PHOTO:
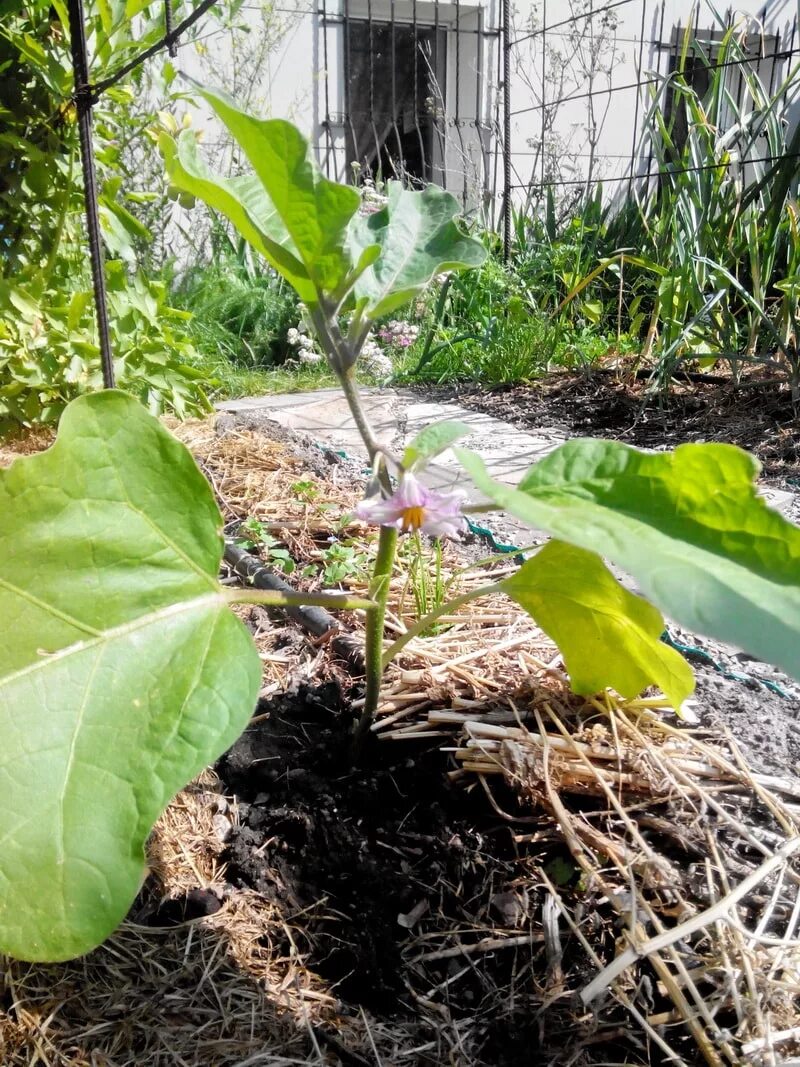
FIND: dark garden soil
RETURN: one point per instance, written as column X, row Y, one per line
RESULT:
column 409, row 892
column 370, row 857
column 382, row 866
column 757, row 416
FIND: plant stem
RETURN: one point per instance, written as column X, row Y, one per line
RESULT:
column 275, row 599
column 350, row 389
column 341, row 356
column 437, row 318
column 421, row 625
column 342, row 353
column 379, row 593
column 479, row 509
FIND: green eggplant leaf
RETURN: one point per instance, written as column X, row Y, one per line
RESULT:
column 607, row 635
column 434, row 440
column 242, row 201
column 418, row 238
column 123, row 672
column 314, row 211
column 688, row 525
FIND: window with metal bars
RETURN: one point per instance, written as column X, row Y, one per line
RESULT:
column 395, row 83
column 408, row 92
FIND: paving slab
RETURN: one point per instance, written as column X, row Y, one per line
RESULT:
column 397, row 415
column 783, row 501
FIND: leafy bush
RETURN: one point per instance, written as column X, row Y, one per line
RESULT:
column 48, row 341
column 239, row 311
column 49, row 353
column 490, row 325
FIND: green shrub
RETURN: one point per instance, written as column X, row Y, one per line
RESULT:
column 239, row 313
column 48, row 340
column 49, row 352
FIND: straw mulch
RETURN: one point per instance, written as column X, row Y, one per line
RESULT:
column 676, row 932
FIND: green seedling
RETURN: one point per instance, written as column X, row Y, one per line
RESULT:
column 269, row 547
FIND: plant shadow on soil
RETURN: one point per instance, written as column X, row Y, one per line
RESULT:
column 354, row 849
column 348, row 853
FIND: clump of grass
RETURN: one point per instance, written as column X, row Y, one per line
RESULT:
column 513, row 351
column 239, row 313
column 227, row 381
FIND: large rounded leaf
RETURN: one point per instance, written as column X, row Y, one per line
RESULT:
column 688, row 525
column 122, row 670
column 418, row 237
column 607, row 636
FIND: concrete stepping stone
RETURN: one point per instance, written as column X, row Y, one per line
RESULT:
column 397, row 415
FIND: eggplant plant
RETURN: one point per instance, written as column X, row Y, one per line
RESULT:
column 124, row 671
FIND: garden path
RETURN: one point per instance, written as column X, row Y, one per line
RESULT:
column 398, row 414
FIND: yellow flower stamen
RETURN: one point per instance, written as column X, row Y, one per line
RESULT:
column 412, row 518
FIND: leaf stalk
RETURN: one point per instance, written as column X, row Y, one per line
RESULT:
column 274, row 599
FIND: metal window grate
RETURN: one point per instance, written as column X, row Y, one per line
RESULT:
column 416, row 101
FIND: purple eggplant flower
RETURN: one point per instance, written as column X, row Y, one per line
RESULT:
column 413, row 506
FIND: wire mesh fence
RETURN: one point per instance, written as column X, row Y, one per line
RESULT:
column 502, row 104
column 507, row 106
column 600, row 96
column 689, row 49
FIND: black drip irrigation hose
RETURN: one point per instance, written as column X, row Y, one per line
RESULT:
column 734, row 676
column 317, row 622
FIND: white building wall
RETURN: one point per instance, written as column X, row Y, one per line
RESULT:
column 638, row 48
column 302, row 79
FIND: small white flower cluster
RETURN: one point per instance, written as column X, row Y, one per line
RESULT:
column 303, row 346
column 399, row 333
column 372, row 199
column 374, row 360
